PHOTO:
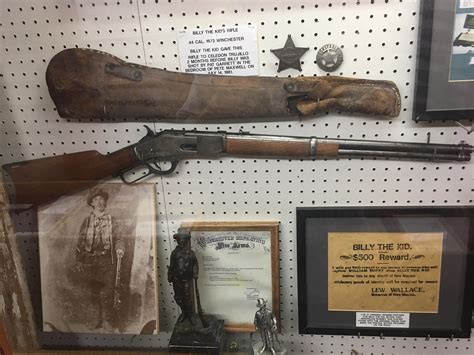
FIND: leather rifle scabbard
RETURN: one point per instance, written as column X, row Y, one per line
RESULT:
column 86, row 83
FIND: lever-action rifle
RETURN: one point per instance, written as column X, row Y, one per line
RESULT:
column 42, row 180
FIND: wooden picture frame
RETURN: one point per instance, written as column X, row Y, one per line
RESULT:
column 439, row 93
column 229, row 233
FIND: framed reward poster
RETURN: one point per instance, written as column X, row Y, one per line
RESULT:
column 238, row 264
column 390, row 271
column 445, row 70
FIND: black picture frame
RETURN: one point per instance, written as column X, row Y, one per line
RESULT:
column 327, row 325
column 424, row 68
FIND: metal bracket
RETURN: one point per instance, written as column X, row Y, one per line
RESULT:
column 467, row 129
column 124, row 72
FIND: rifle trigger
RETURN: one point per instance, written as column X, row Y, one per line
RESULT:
column 156, row 169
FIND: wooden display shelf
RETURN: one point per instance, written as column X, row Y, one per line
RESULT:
column 90, row 352
column 111, row 352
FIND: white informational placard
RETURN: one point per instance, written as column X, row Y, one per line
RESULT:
column 382, row 320
column 465, row 4
column 219, row 51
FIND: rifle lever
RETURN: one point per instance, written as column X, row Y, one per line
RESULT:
column 153, row 169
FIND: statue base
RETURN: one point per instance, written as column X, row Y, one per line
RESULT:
column 195, row 338
column 278, row 349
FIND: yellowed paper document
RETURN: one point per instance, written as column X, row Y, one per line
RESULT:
column 235, row 270
column 398, row 272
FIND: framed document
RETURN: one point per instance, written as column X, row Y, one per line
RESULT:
column 238, row 263
column 445, row 69
column 390, row 271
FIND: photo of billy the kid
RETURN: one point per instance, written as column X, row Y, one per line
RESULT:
column 99, row 252
column 97, row 261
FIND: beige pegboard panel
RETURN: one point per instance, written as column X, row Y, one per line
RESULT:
column 32, row 32
column 379, row 41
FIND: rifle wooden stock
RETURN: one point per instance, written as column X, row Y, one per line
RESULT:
column 91, row 84
column 42, row 180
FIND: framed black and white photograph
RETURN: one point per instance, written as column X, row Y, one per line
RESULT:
column 445, row 68
column 239, row 263
column 391, row 271
column 97, row 259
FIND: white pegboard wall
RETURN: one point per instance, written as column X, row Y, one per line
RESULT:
column 379, row 41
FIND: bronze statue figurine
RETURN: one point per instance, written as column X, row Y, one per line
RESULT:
column 194, row 331
column 183, row 270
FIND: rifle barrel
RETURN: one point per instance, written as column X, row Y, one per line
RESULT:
column 348, row 153
column 399, row 146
